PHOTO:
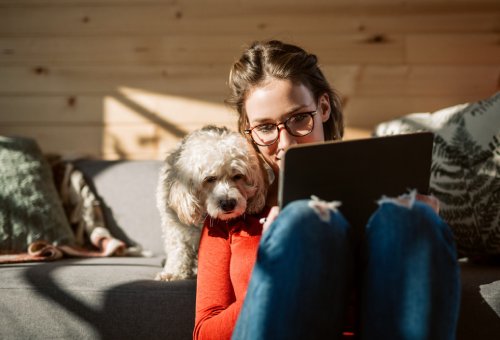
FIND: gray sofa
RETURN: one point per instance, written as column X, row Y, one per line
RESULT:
column 108, row 298
column 116, row 298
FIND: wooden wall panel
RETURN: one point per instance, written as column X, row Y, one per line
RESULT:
column 452, row 49
column 68, row 140
column 191, row 49
column 423, row 80
column 50, row 110
column 197, row 80
column 365, row 112
column 177, row 20
column 128, row 78
column 118, row 108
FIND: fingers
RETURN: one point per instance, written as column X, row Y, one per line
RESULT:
column 432, row 201
column 273, row 213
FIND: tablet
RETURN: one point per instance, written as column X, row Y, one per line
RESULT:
column 357, row 172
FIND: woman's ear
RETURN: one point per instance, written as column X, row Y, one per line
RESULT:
column 324, row 105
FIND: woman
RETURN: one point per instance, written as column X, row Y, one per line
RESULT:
column 297, row 279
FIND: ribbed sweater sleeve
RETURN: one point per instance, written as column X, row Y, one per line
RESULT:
column 226, row 257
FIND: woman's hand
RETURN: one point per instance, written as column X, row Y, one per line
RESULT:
column 273, row 213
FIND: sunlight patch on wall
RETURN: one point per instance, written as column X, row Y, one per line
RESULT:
column 141, row 124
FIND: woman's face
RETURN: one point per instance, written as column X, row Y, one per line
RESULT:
column 274, row 102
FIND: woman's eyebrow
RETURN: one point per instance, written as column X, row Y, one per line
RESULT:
column 288, row 113
column 295, row 109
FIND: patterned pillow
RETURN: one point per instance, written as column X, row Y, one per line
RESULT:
column 30, row 208
column 465, row 173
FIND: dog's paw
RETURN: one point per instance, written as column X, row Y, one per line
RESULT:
column 166, row 276
column 162, row 276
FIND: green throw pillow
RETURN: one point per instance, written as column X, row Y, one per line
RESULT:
column 30, row 208
column 465, row 173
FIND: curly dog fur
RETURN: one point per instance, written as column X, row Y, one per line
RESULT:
column 214, row 172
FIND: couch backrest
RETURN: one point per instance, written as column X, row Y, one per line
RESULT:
column 128, row 192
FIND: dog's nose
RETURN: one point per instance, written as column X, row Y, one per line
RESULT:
column 227, row 205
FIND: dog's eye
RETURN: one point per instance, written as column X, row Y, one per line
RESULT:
column 210, row 179
column 238, row 177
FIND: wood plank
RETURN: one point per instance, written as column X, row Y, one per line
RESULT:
column 162, row 20
column 202, row 81
column 366, row 112
column 153, row 155
column 342, row 78
column 116, row 50
column 70, row 141
column 124, row 141
column 129, row 107
column 139, row 141
column 189, row 50
column 432, row 80
column 47, row 110
column 301, row 4
column 135, row 106
column 169, row 19
column 374, row 80
column 258, row 3
column 453, row 49
column 450, row 21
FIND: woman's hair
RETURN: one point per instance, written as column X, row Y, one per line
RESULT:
column 275, row 59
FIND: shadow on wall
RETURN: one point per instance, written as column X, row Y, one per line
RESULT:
column 150, row 116
column 137, row 121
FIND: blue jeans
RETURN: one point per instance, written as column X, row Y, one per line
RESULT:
column 407, row 276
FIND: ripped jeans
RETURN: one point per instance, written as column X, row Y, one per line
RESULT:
column 407, row 276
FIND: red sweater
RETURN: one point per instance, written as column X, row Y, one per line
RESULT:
column 227, row 254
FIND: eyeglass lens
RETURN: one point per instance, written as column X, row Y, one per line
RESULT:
column 297, row 125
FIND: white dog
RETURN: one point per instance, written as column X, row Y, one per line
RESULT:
column 213, row 171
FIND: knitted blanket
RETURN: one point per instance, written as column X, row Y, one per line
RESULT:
column 105, row 245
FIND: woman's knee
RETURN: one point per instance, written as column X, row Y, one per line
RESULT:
column 306, row 221
column 413, row 221
column 307, row 213
column 303, row 236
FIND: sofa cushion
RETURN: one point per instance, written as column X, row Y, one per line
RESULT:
column 115, row 298
column 30, row 206
column 465, row 173
column 127, row 190
column 108, row 298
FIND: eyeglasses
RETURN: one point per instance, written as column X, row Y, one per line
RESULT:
column 298, row 125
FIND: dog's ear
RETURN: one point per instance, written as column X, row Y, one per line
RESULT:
column 183, row 199
column 257, row 177
column 180, row 193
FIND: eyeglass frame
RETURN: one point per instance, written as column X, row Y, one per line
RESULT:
column 284, row 123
